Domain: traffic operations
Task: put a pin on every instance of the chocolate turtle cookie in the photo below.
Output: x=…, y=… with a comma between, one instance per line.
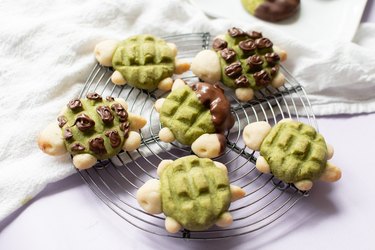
x=196, y=115
x=271, y=10
x=292, y=151
x=193, y=193
x=244, y=61
x=143, y=61
x=92, y=129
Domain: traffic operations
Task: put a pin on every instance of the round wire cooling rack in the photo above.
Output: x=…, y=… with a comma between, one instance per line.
x=116, y=181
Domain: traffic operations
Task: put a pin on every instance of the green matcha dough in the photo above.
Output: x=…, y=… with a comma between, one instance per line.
x=185, y=115
x=95, y=126
x=144, y=60
x=247, y=59
x=194, y=192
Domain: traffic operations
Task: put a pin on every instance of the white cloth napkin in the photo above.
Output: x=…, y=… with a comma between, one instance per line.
x=46, y=54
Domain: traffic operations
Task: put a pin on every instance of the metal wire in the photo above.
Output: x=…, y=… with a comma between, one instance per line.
x=116, y=181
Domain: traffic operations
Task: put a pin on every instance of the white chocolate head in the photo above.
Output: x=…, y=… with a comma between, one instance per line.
x=206, y=66
x=254, y=134
x=149, y=197
x=104, y=52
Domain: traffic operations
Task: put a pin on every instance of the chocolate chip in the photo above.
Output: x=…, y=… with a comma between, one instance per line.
x=262, y=78
x=228, y=55
x=97, y=146
x=94, y=96
x=110, y=98
x=234, y=70
x=263, y=43
x=105, y=114
x=219, y=44
x=114, y=138
x=120, y=111
x=84, y=122
x=254, y=34
x=75, y=104
x=77, y=147
x=274, y=70
x=68, y=134
x=236, y=32
x=242, y=82
x=254, y=62
x=125, y=126
x=272, y=58
x=248, y=46
x=61, y=120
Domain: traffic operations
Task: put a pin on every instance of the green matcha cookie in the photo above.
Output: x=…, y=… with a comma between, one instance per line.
x=143, y=61
x=244, y=61
x=271, y=10
x=292, y=151
x=92, y=129
x=194, y=115
x=193, y=193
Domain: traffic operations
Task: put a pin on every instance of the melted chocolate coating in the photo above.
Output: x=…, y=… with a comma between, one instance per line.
x=110, y=98
x=242, y=82
x=272, y=58
x=223, y=142
x=228, y=55
x=105, y=114
x=254, y=62
x=274, y=70
x=75, y=104
x=114, y=138
x=248, y=46
x=61, y=120
x=254, y=34
x=120, y=111
x=276, y=10
x=236, y=32
x=125, y=126
x=77, y=147
x=68, y=134
x=97, y=146
x=219, y=44
x=262, y=78
x=84, y=122
x=94, y=96
x=212, y=97
x=233, y=70
x=263, y=43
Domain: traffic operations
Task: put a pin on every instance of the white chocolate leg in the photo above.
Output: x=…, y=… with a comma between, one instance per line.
x=166, y=135
x=282, y=53
x=221, y=166
x=136, y=121
x=286, y=120
x=244, y=94
x=171, y=225
x=304, y=185
x=162, y=165
x=254, y=134
x=225, y=220
x=206, y=66
x=104, y=52
x=158, y=104
x=278, y=81
x=123, y=103
x=262, y=165
x=132, y=142
x=182, y=65
x=330, y=151
x=117, y=78
x=84, y=161
x=149, y=197
x=173, y=48
x=331, y=173
x=207, y=146
x=236, y=193
x=166, y=84
x=50, y=140
x=178, y=83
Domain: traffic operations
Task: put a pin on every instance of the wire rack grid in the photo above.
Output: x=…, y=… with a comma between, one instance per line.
x=116, y=181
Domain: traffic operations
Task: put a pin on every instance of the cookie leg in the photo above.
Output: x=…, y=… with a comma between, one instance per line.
x=181, y=66
x=178, y=83
x=171, y=225
x=173, y=48
x=303, y=185
x=221, y=166
x=262, y=165
x=330, y=151
x=208, y=145
x=236, y=193
x=104, y=52
x=162, y=165
x=158, y=104
x=149, y=197
x=50, y=140
x=282, y=53
x=132, y=142
x=84, y=161
x=137, y=122
x=117, y=78
x=254, y=134
x=244, y=94
x=278, y=81
x=166, y=135
x=225, y=220
x=331, y=173
x=165, y=84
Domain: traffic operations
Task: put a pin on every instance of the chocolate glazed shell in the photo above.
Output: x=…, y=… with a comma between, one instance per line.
x=212, y=97
x=277, y=10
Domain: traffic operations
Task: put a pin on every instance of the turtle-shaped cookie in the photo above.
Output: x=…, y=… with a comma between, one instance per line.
x=244, y=61
x=292, y=151
x=143, y=61
x=196, y=115
x=193, y=193
x=92, y=129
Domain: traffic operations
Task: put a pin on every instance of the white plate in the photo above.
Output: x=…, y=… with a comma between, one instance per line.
x=317, y=20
